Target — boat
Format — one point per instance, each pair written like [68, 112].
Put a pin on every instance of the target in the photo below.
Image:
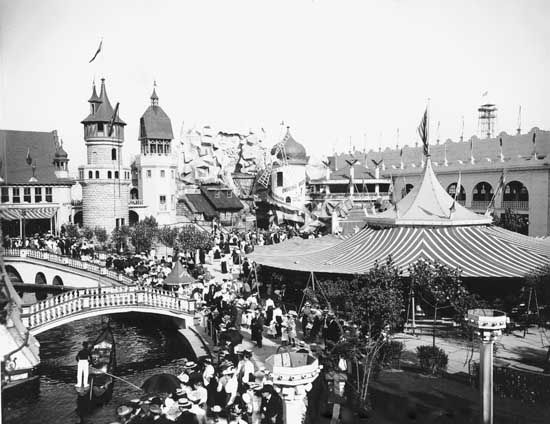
[103, 354]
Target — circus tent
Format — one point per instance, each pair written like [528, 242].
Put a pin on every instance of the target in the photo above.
[427, 224]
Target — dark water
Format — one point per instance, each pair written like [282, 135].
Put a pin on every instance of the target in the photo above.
[145, 346]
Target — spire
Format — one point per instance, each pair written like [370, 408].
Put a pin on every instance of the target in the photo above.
[94, 98]
[154, 96]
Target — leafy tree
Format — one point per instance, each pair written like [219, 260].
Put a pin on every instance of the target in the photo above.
[168, 236]
[71, 231]
[119, 237]
[512, 221]
[191, 238]
[101, 235]
[373, 301]
[87, 232]
[439, 287]
[144, 234]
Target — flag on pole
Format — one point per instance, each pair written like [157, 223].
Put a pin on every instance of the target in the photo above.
[29, 159]
[97, 52]
[491, 205]
[113, 120]
[423, 132]
[501, 152]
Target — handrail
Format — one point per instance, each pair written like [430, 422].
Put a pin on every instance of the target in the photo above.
[70, 262]
[80, 300]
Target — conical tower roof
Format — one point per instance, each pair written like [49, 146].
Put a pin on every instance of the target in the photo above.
[428, 205]
[104, 111]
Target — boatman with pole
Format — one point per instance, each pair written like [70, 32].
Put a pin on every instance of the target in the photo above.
[83, 358]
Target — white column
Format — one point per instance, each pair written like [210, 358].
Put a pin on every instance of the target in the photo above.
[486, 381]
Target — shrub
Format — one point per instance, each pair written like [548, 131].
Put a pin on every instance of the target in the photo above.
[432, 358]
[390, 353]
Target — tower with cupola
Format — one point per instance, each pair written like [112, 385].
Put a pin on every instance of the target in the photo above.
[105, 180]
[288, 176]
[156, 165]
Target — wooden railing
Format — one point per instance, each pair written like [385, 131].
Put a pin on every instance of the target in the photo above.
[84, 300]
[69, 262]
[522, 205]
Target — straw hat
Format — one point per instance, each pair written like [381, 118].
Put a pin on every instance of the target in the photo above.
[155, 409]
[123, 410]
[184, 403]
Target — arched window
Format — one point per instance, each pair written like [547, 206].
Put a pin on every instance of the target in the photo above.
[109, 174]
[90, 174]
[461, 197]
[515, 191]
[483, 192]
[134, 194]
[288, 200]
[113, 154]
[116, 175]
[97, 174]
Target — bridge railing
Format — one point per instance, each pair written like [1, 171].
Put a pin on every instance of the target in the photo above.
[70, 262]
[83, 300]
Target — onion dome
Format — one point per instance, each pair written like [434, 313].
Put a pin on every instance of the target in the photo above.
[104, 111]
[294, 151]
[60, 153]
[155, 123]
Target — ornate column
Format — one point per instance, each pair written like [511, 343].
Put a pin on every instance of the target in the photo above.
[292, 375]
[488, 324]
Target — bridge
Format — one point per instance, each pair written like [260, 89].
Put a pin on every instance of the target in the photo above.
[85, 303]
[40, 267]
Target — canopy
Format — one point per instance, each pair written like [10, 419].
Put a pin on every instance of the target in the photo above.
[179, 275]
[479, 251]
[12, 213]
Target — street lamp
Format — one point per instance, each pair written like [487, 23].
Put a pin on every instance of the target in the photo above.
[488, 325]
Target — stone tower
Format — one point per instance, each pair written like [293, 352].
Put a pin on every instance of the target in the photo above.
[156, 164]
[104, 179]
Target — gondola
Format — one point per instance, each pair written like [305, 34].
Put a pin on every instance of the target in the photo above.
[103, 354]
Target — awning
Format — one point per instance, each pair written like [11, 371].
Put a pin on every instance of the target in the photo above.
[479, 251]
[14, 213]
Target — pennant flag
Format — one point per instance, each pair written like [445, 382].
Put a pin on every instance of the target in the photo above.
[491, 205]
[423, 132]
[113, 120]
[97, 52]
[29, 159]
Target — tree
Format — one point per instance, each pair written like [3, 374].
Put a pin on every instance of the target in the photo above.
[88, 233]
[512, 221]
[144, 234]
[71, 231]
[439, 287]
[374, 302]
[168, 236]
[119, 237]
[191, 238]
[101, 235]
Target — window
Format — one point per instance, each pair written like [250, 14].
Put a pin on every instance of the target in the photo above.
[279, 179]
[97, 174]
[81, 174]
[217, 195]
[229, 194]
[100, 128]
[153, 148]
[148, 173]
[109, 174]
[113, 154]
[15, 195]
[27, 195]
[288, 200]
[5, 195]
[162, 203]
[38, 194]
[173, 202]
[116, 175]
[49, 194]
[162, 173]
[90, 174]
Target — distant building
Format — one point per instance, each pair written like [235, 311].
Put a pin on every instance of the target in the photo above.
[524, 159]
[35, 197]
[105, 180]
[154, 171]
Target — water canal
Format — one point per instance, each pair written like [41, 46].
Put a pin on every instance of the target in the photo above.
[146, 345]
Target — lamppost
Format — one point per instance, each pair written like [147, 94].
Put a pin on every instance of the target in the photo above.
[488, 325]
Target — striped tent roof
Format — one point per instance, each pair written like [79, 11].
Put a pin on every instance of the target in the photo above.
[479, 251]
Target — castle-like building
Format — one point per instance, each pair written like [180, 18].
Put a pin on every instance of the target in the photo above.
[105, 180]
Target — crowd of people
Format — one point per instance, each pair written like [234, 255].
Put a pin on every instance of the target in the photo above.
[76, 248]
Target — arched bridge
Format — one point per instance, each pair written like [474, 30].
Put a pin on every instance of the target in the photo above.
[86, 303]
[39, 267]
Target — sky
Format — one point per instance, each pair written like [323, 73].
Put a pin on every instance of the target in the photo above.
[339, 73]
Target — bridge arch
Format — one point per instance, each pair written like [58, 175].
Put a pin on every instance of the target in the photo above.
[14, 275]
[40, 278]
[57, 281]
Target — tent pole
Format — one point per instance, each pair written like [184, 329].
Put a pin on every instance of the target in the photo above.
[304, 295]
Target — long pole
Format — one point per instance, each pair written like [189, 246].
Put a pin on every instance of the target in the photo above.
[486, 381]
